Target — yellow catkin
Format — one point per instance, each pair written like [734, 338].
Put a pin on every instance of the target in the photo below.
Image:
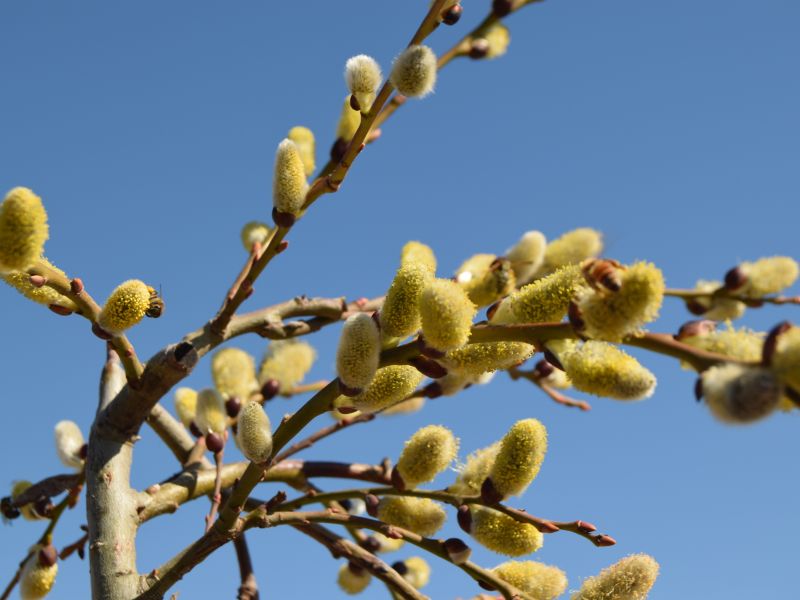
[520, 457]
[604, 370]
[406, 407]
[426, 454]
[414, 71]
[289, 185]
[363, 76]
[287, 362]
[418, 253]
[349, 120]
[474, 471]
[768, 276]
[455, 381]
[253, 433]
[447, 314]
[186, 405]
[400, 316]
[571, 248]
[125, 307]
[69, 443]
[527, 255]
[717, 308]
[420, 515]
[610, 315]
[629, 579]
[543, 301]
[538, 580]
[234, 373]
[210, 416]
[742, 344]
[339, 402]
[486, 278]
[387, 544]
[26, 510]
[46, 295]
[737, 394]
[23, 229]
[353, 580]
[418, 572]
[389, 386]
[786, 361]
[303, 138]
[359, 351]
[503, 534]
[484, 357]
[36, 580]
[498, 38]
[254, 232]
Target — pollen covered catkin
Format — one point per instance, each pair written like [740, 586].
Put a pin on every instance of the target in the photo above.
[359, 351]
[426, 454]
[400, 315]
[447, 314]
[519, 458]
[69, 442]
[602, 369]
[420, 515]
[125, 307]
[527, 255]
[786, 360]
[254, 232]
[414, 71]
[37, 579]
[253, 433]
[210, 416]
[629, 579]
[186, 405]
[571, 248]
[543, 301]
[474, 472]
[349, 120]
[483, 357]
[353, 579]
[538, 580]
[503, 534]
[287, 362]
[303, 138]
[717, 308]
[234, 373]
[418, 572]
[46, 295]
[289, 185]
[389, 386]
[363, 76]
[498, 38]
[768, 276]
[742, 344]
[418, 253]
[738, 394]
[23, 229]
[486, 278]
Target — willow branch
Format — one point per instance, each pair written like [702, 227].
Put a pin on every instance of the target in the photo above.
[323, 433]
[248, 590]
[722, 292]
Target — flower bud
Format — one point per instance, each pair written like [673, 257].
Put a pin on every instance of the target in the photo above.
[768, 276]
[417, 572]
[497, 39]
[400, 316]
[527, 255]
[486, 278]
[253, 433]
[42, 294]
[389, 386]
[234, 373]
[23, 229]
[254, 232]
[414, 71]
[303, 138]
[629, 579]
[479, 358]
[420, 515]
[363, 76]
[519, 458]
[538, 580]
[210, 417]
[426, 454]
[186, 405]
[287, 362]
[447, 314]
[571, 248]
[604, 370]
[543, 301]
[128, 304]
[418, 253]
[353, 579]
[786, 357]
[289, 185]
[738, 394]
[405, 407]
[474, 472]
[69, 444]
[717, 308]
[503, 534]
[38, 574]
[359, 351]
[612, 315]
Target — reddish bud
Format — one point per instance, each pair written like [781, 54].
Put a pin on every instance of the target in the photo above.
[60, 310]
[489, 493]
[479, 49]
[586, 527]
[348, 391]
[354, 103]
[604, 540]
[48, 556]
[270, 389]
[232, 406]
[76, 285]
[452, 15]
[397, 480]
[433, 390]
[552, 359]
[400, 567]
[372, 502]
[501, 8]
[771, 342]
[195, 430]
[283, 219]
[338, 149]
[734, 279]
[543, 368]
[215, 442]
[347, 410]
[464, 517]
[429, 368]
[695, 328]
[38, 281]
[457, 550]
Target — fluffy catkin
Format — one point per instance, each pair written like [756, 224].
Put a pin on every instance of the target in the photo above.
[253, 433]
[503, 534]
[742, 344]
[483, 357]
[420, 515]
[23, 229]
[69, 442]
[349, 120]
[405, 407]
[289, 185]
[447, 314]
[400, 316]
[629, 579]
[571, 248]
[125, 307]
[768, 276]
[234, 373]
[363, 76]
[604, 370]
[472, 474]
[717, 308]
[353, 579]
[543, 301]
[46, 295]
[303, 138]
[414, 71]
[36, 580]
[519, 458]
[786, 360]
[359, 351]
[737, 394]
[538, 580]
[287, 362]
[389, 386]
[498, 37]
[418, 572]
[486, 278]
[426, 454]
[210, 416]
[254, 232]
[186, 405]
[418, 253]
[527, 255]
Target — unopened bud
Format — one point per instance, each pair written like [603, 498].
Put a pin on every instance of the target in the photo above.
[215, 442]
[457, 551]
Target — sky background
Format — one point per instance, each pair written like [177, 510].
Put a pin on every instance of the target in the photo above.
[149, 130]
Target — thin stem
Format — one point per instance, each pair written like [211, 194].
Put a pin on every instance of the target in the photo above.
[216, 497]
[686, 294]
[248, 590]
[556, 396]
[323, 433]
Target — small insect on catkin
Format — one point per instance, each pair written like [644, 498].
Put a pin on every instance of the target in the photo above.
[253, 433]
[287, 362]
[363, 76]
[420, 515]
[210, 416]
[519, 458]
[186, 405]
[38, 573]
[353, 579]
[359, 351]
[254, 232]
[447, 314]
[234, 373]
[418, 253]
[389, 386]
[128, 304]
[629, 579]
[289, 185]
[486, 278]
[303, 138]
[23, 229]
[414, 71]
[527, 255]
[739, 394]
[538, 580]
[69, 444]
[27, 510]
[400, 316]
[503, 534]
[426, 454]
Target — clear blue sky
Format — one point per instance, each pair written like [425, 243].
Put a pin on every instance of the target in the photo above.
[149, 130]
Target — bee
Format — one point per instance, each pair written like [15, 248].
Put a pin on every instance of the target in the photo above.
[602, 272]
[156, 304]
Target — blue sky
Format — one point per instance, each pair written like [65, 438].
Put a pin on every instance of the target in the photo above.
[149, 130]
